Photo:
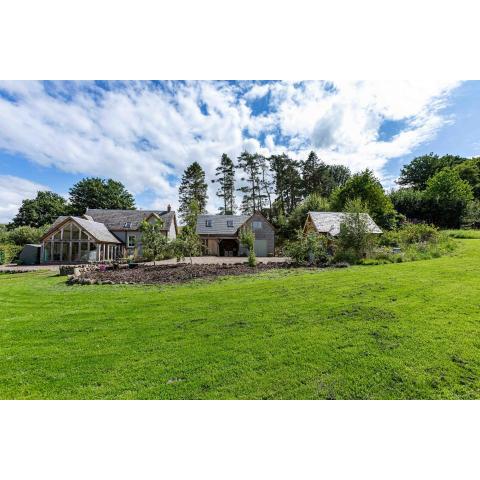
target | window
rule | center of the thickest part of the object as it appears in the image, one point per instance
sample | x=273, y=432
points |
x=127, y=224
x=67, y=232
x=132, y=240
x=208, y=223
x=75, y=233
x=257, y=225
x=230, y=223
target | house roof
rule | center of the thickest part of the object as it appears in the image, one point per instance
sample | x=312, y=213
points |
x=117, y=219
x=95, y=229
x=329, y=222
x=219, y=224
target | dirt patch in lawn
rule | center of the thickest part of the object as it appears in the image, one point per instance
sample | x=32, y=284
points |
x=179, y=273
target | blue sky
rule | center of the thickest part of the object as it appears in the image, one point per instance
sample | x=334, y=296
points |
x=145, y=133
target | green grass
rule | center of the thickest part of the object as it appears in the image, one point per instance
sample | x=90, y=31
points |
x=407, y=330
x=463, y=233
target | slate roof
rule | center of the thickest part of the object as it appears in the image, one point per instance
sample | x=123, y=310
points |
x=116, y=219
x=219, y=224
x=329, y=222
x=97, y=230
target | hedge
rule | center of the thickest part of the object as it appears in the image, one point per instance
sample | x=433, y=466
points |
x=9, y=252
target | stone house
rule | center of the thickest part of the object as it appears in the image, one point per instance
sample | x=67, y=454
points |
x=220, y=234
x=101, y=235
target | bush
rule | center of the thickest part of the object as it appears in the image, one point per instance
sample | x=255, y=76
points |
x=309, y=249
x=24, y=235
x=8, y=253
x=409, y=234
x=247, y=239
x=355, y=240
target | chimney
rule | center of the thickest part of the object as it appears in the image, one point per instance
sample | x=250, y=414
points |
x=169, y=208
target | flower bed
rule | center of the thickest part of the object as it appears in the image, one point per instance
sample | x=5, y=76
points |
x=165, y=274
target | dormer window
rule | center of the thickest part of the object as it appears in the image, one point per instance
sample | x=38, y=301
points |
x=230, y=223
x=127, y=225
x=208, y=223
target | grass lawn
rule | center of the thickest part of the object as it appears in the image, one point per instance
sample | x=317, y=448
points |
x=408, y=330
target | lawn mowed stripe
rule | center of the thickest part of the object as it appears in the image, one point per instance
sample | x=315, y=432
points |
x=408, y=330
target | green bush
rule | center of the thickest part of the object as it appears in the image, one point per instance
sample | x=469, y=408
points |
x=409, y=234
x=8, y=253
x=23, y=235
x=309, y=249
x=247, y=238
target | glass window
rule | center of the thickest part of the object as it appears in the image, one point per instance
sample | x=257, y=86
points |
x=229, y=223
x=75, y=252
x=132, y=240
x=84, y=251
x=47, y=252
x=65, y=252
x=67, y=232
x=257, y=225
x=84, y=235
x=58, y=235
x=56, y=251
x=208, y=223
x=75, y=232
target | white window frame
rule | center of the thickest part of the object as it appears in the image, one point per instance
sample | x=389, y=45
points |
x=230, y=223
x=256, y=225
x=208, y=224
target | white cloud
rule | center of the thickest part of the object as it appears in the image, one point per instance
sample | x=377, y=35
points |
x=145, y=136
x=12, y=191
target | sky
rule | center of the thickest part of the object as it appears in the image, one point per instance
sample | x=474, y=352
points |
x=145, y=134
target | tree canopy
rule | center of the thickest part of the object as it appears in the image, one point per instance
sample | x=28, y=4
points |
x=39, y=211
x=449, y=197
x=420, y=169
x=96, y=192
x=368, y=189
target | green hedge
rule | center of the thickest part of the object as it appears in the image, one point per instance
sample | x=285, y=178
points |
x=9, y=252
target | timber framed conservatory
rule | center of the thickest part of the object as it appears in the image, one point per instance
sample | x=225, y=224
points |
x=79, y=240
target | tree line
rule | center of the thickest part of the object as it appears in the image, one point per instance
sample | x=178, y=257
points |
x=444, y=191
x=272, y=185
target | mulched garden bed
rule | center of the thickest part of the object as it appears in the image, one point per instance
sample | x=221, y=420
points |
x=177, y=273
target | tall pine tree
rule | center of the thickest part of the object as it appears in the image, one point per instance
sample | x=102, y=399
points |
x=225, y=174
x=288, y=183
x=193, y=188
x=250, y=164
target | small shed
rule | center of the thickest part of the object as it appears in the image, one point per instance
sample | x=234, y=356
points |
x=30, y=254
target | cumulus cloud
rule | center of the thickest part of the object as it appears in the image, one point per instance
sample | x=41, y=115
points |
x=12, y=191
x=145, y=134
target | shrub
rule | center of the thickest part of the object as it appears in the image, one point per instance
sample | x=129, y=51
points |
x=9, y=252
x=355, y=239
x=309, y=249
x=247, y=239
x=409, y=234
x=23, y=235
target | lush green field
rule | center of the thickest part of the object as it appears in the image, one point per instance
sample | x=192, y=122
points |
x=408, y=330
